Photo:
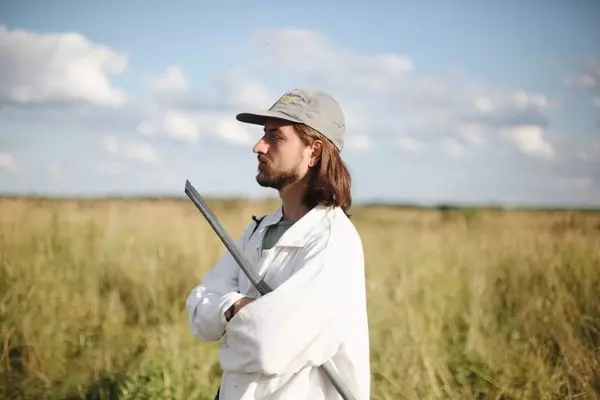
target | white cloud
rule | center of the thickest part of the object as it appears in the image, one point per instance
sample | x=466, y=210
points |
x=588, y=77
x=238, y=90
x=141, y=151
x=189, y=126
x=110, y=144
x=380, y=93
x=384, y=98
x=453, y=147
x=357, y=117
x=524, y=100
x=483, y=104
x=64, y=68
x=187, y=116
x=234, y=133
x=591, y=153
x=383, y=95
x=409, y=144
x=582, y=80
x=181, y=126
x=7, y=161
x=473, y=133
x=146, y=128
x=134, y=150
x=358, y=143
x=309, y=53
x=530, y=140
x=172, y=79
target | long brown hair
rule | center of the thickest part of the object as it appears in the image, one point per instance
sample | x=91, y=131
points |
x=330, y=181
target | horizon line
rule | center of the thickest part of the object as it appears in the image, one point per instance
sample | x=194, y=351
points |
x=377, y=202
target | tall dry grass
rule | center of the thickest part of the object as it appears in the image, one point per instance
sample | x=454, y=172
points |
x=463, y=304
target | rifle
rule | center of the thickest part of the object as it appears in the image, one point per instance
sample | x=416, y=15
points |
x=260, y=285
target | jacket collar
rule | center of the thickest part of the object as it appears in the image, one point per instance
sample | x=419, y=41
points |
x=299, y=233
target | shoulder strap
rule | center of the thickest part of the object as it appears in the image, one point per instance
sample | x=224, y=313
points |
x=258, y=221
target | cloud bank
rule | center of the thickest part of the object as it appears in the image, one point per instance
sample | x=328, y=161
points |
x=60, y=68
x=390, y=105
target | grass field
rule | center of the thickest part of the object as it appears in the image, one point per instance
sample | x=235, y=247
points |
x=463, y=304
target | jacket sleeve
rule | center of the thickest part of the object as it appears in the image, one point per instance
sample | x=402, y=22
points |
x=298, y=324
x=218, y=290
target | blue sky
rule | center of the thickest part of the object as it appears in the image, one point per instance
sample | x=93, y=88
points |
x=469, y=102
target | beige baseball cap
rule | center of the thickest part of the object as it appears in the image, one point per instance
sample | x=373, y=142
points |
x=311, y=107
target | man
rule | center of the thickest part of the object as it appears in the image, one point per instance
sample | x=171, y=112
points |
x=308, y=252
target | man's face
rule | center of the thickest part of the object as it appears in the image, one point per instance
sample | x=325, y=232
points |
x=283, y=157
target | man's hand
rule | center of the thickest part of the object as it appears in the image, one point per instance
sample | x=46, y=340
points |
x=237, y=306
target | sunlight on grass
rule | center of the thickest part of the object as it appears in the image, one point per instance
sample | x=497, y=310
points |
x=463, y=304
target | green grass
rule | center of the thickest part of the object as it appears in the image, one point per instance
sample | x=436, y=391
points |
x=464, y=304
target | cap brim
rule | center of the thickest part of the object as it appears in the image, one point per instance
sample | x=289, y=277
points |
x=259, y=118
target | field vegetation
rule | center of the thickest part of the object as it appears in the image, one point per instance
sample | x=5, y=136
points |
x=464, y=304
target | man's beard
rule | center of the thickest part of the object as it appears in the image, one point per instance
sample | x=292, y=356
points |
x=267, y=177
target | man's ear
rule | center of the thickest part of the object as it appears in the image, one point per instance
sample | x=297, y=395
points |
x=315, y=155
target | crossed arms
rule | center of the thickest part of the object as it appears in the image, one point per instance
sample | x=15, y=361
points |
x=294, y=326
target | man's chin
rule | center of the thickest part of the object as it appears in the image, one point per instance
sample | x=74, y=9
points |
x=265, y=182
x=276, y=182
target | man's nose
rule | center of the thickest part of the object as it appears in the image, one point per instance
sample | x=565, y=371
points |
x=260, y=146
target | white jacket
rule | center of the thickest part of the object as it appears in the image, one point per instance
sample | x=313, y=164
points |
x=272, y=348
